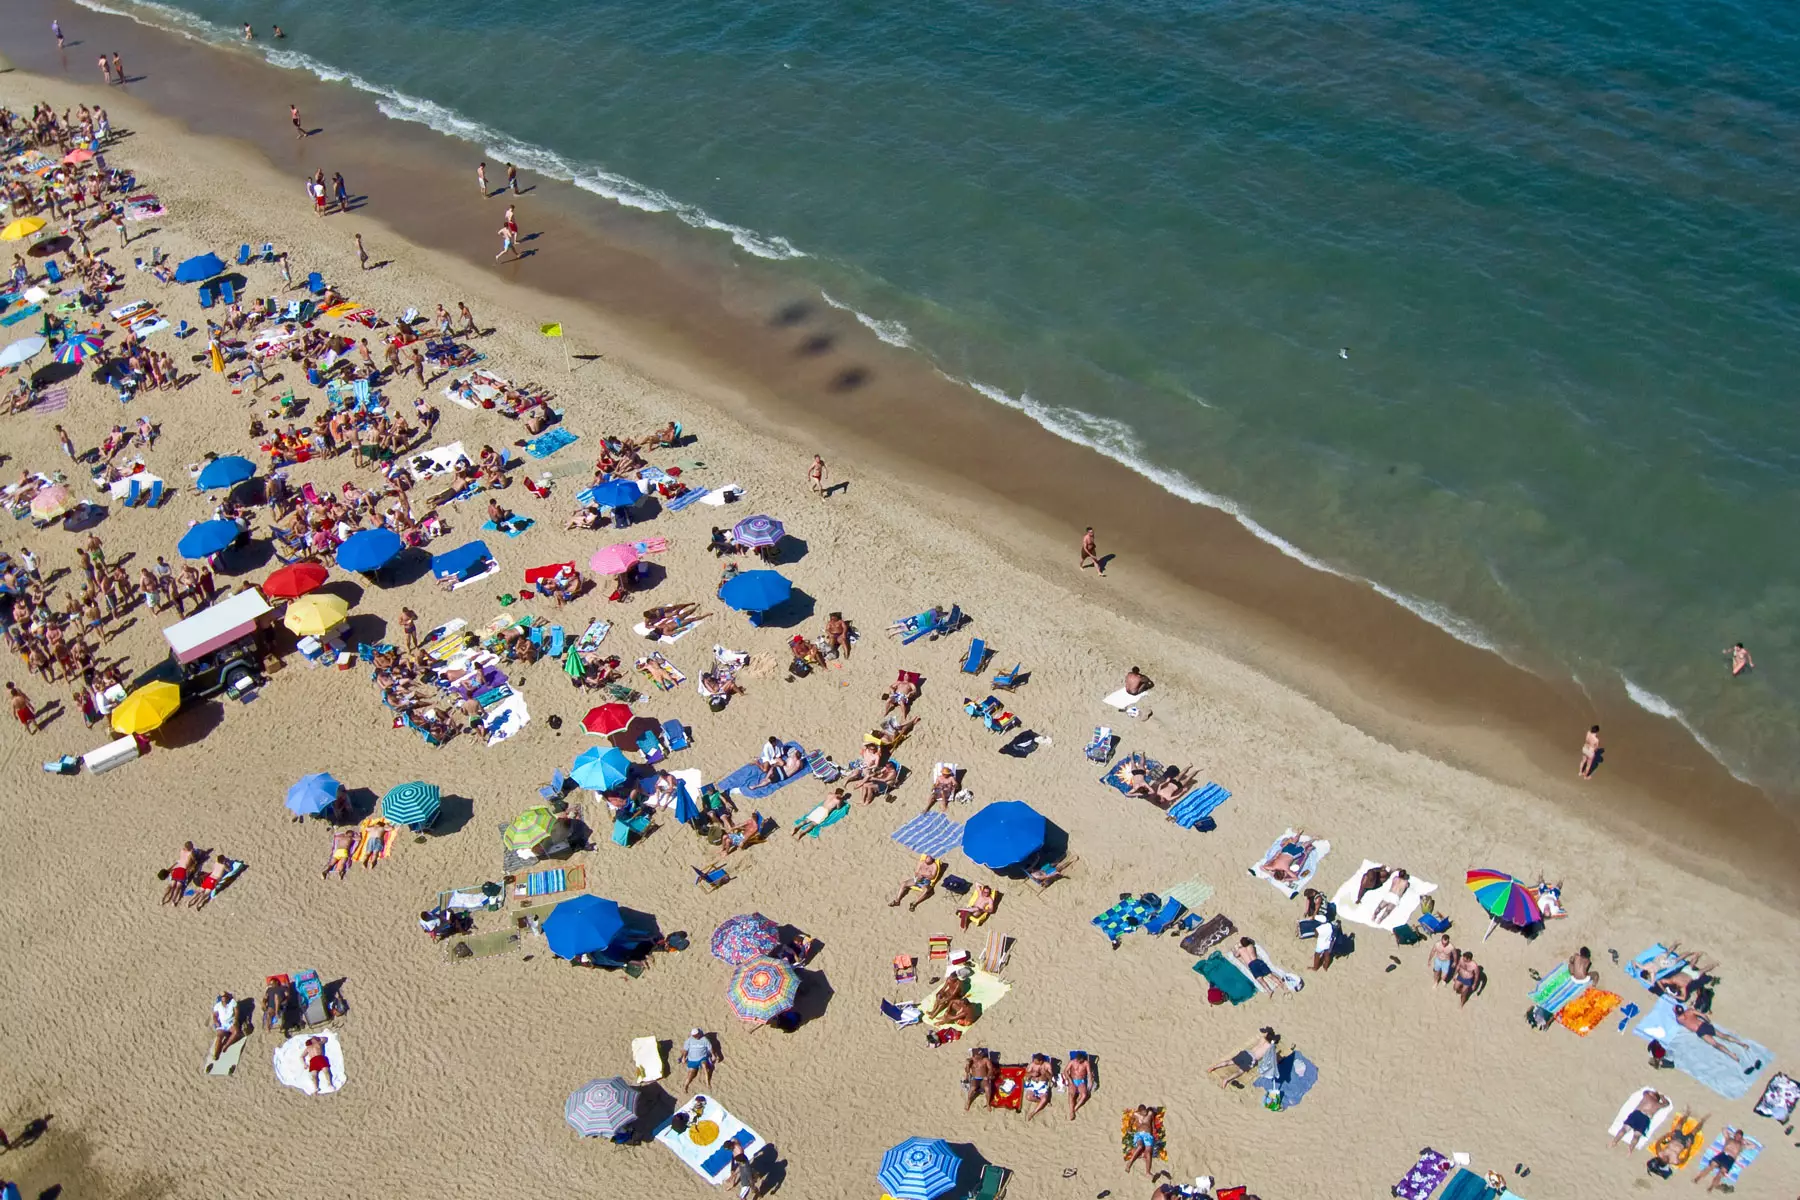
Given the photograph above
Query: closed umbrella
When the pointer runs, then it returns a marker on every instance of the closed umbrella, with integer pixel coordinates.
(583, 925)
(758, 531)
(147, 708)
(52, 502)
(529, 829)
(208, 538)
(615, 493)
(686, 811)
(312, 794)
(918, 1169)
(23, 350)
(415, 804)
(601, 1107)
(607, 719)
(201, 266)
(744, 937)
(1506, 899)
(1004, 834)
(316, 615)
(755, 591)
(24, 227)
(225, 472)
(599, 768)
(294, 581)
(610, 560)
(369, 550)
(762, 989)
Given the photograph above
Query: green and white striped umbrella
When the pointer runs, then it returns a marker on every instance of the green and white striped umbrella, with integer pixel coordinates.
(529, 828)
(414, 804)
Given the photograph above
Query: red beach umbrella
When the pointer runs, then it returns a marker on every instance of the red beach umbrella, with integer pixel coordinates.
(607, 719)
(294, 581)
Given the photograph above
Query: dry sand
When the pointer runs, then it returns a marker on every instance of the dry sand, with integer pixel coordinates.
(458, 1071)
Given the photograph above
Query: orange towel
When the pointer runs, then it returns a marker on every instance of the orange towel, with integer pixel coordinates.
(1583, 1014)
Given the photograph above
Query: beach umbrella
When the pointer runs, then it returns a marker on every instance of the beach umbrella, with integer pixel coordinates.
(529, 829)
(312, 794)
(215, 358)
(610, 560)
(744, 937)
(415, 804)
(78, 156)
(583, 925)
(208, 538)
(607, 719)
(225, 472)
(573, 667)
(755, 591)
(316, 615)
(294, 581)
(23, 350)
(599, 768)
(24, 227)
(147, 708)
(75, 349)
(601, 1107)
(369, 550)
(762, 989)
(201, 266)
(52, 502)
(615, 493)
(758, 531)
(1505, 898)
(686, 811)
(1004, 834)
(918, 1169)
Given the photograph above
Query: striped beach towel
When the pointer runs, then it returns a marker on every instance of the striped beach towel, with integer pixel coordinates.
(1194, 893)
(1195, 807)
(686, 498)
(930, 833)
(54, 399)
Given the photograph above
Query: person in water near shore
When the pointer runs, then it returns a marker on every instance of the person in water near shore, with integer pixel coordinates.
(1590, 753)
(1740, 659)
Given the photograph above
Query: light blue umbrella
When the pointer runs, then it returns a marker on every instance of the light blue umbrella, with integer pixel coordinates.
(201, 266)
(208, 538)
(918, 1169)
(225, 472)
(312, 795)
(369, 550)
(1004, 834)
(755, 591)
(600, 768)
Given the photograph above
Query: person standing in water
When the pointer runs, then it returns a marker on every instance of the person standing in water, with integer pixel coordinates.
(1590, 753)
(1740, 659)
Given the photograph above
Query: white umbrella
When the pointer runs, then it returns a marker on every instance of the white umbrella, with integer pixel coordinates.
(23, 350)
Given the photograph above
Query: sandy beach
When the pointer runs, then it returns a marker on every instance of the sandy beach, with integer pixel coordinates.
(457, 1071)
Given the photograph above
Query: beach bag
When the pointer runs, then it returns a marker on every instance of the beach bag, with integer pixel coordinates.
(800, 668)
(1406, 935)
(716, 703)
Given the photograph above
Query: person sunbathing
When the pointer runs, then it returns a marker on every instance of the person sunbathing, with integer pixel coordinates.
(1039, 1079)
(1721, 1164)
(1078, 1080)
(1697, 1024)
(317, 1065)
(978, 1078)
(1673, 1148)
(740, 835)
(907, 626)
(1371, 879)
(227, 1028)
(1549, 898)
(1284, 866)
(943, 790)
(1636, 1124)
(1246, 1060)
(840, 799)
(669, 619)
(980, 906)
(1398, 883)
(876, 782)
(586, 517)
(954, 988)
(890, 732)
(343, 844)
(924, 881)
(1175, 784)
(1137, 777)
(209, 881)
(1253, 961)
(1143, 1139)
(900, 696)
(276, 999)
(185, 861)
(659, 672)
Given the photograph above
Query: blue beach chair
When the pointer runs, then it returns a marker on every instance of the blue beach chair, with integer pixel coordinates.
(227, 292)
(243, 258)
(1006, 681)
(206, 296)
(976, 657)
(315, 283)
(675, 734)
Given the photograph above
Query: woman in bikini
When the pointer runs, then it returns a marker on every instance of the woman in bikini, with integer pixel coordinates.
(1398, 883)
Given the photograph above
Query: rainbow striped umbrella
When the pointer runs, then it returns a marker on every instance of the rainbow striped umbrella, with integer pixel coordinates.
(76, 348)
(1506, 899)
(762, 989)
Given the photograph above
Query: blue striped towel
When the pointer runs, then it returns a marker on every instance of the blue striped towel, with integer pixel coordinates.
(545, 883)
(686, 498)
(1195, 807)
(930, 833)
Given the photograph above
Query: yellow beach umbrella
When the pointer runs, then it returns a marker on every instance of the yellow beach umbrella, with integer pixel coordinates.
(317, 614)
(24, 227)
(147, 708)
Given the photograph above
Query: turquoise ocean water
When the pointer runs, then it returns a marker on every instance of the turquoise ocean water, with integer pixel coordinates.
(1559, 241)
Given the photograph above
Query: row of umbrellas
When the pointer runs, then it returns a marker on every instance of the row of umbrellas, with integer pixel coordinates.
(415, 804)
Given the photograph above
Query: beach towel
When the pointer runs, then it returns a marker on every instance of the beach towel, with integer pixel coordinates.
(1288, 1077)
(1723, 1073)
(515, 525)
(551, 882)
(1198, 805)
(985, 991)
(1123, 699)
(1193, 894)
(1158, 1130)
(592, 636)
(549, 442)
(1584, 1014)
(705, 1144)
(1309, 865)
(672, 677)
(719, 496)
(1467, 1185)
(1124, 917)
(290, 1063)
(1115, 776)
(13, 318)
(1780, 1098)
(1213, 931)
(1349, 910)
(931, 833)
(144, 208)
(646, 1059)
(676, 504)
(1425, 1177)
(1223, 973)
(481, 945)
(227, 1062)
(52, 399)
(759, 789)
(668, 639)
(744, 776)
(1557, 989)
(830, 818)
(1288, 979)
(689, 779)
(1752, 1148)
(1639, 967)
(1630, 1106)
(1009, 1089)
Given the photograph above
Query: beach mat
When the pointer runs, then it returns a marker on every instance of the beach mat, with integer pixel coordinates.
(1158, 1130)
(759, 790)
(1721, 1072)
(1223, 974)
(1193, 894)
(1467, 1185)
(1752, 1148)
(1780, 1098)
(930, 833)
(548, 443)
(1557, 988)
(1588, 1011)
(1408, 905)
(1198, 805)
(552, 881)
(1127, 916)
(1115, 777)
(1425, 1177)
(227, 1062)
(1213, 931)
(1630, 1105)
(53, 399)
(482, 945)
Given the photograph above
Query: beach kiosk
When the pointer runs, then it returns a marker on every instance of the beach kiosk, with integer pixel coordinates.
(219, 648)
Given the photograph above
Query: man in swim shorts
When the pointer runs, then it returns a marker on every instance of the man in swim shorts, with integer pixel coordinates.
(1720, 1164)
(698, 1052)
(1259, 969)
(978, 1078)
(1245, 1060)
(1078, 1079)
(178, 874)
(317, 1065)
(1039, 1078)
(1707, 1032)
(1637, 1122)
(343, 841)
(209, 881)
(1143, 1139)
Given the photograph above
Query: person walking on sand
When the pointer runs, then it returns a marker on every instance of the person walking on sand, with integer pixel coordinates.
(1089, 552)
(68, 447)
(816, 476)
(512, 179)
(481, 178)
(362, 255)
(1740, 659)
(57, 33)
(409, 628)
(1590, 753)
(698, 1053)
(294, 116)
(470, 329)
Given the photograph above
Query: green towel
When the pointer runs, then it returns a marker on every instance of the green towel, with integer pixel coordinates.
(1224, 975)
(1194, 893)
(832, 818)
(1552, 983)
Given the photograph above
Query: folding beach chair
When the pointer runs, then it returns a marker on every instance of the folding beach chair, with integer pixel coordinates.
(556, 787)
(625, 829)
(311, 993)
(133, 493)
(939, 946)
(650, 746)
(268, 252)
(906, 968)
(976, 658)
(315, 283)
(1042, 877)
(675, 734)
(227, 292)
(243, 258)
(1100, 747)
(901, 1017)
(996, 952)
(206, 296)
(558, 641)
(993, 1182)
(1008, 680)
(52, 272)
(713, 877)
(154, 498)
(1168, 915)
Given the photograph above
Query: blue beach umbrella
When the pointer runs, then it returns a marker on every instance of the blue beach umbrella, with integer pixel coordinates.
(686, 811)
(583, 925)
(600, 768)
(1004, 834)
(616, 493)
(755, 591)
(201, 266)
(415, 804)
(312, 795)
(918, 1169)
(225, 472)
(368, 550)
(208, 538)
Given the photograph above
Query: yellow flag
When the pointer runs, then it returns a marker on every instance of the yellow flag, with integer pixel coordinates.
(554, 329)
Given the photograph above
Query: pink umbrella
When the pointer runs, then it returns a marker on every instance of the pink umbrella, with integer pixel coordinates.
(610, 560)
(78, 156)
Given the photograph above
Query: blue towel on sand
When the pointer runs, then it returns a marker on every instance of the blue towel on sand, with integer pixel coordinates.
(1293, 1075)
(930, 833)
(512, 529)
(549, 442)
(1115, 778)
(1467, 1185)
(758, 789)
(1195, 807)
(15, 317)
(686, 498)
(1124, 917)
(1718, 1071)
(744, 776)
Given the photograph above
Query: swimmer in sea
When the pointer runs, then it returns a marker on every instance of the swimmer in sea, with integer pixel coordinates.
(1740, 659)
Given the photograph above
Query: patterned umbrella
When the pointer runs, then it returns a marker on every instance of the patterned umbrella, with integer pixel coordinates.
(294, 581)
(607, 719)
(744, 937)
(601, 1107)
(51, 503)
(758, 531)
(530, 828)
(415, 804)
(1505, 898)
(762, 989)
(610, 560)
(918, 1169)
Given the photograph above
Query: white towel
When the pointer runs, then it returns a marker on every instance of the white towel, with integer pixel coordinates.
(1309, 866)
(290, 1063)
(1404, 908)
(1120, 700)
(1625, 1110)
(716, 497)
(642, 629)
